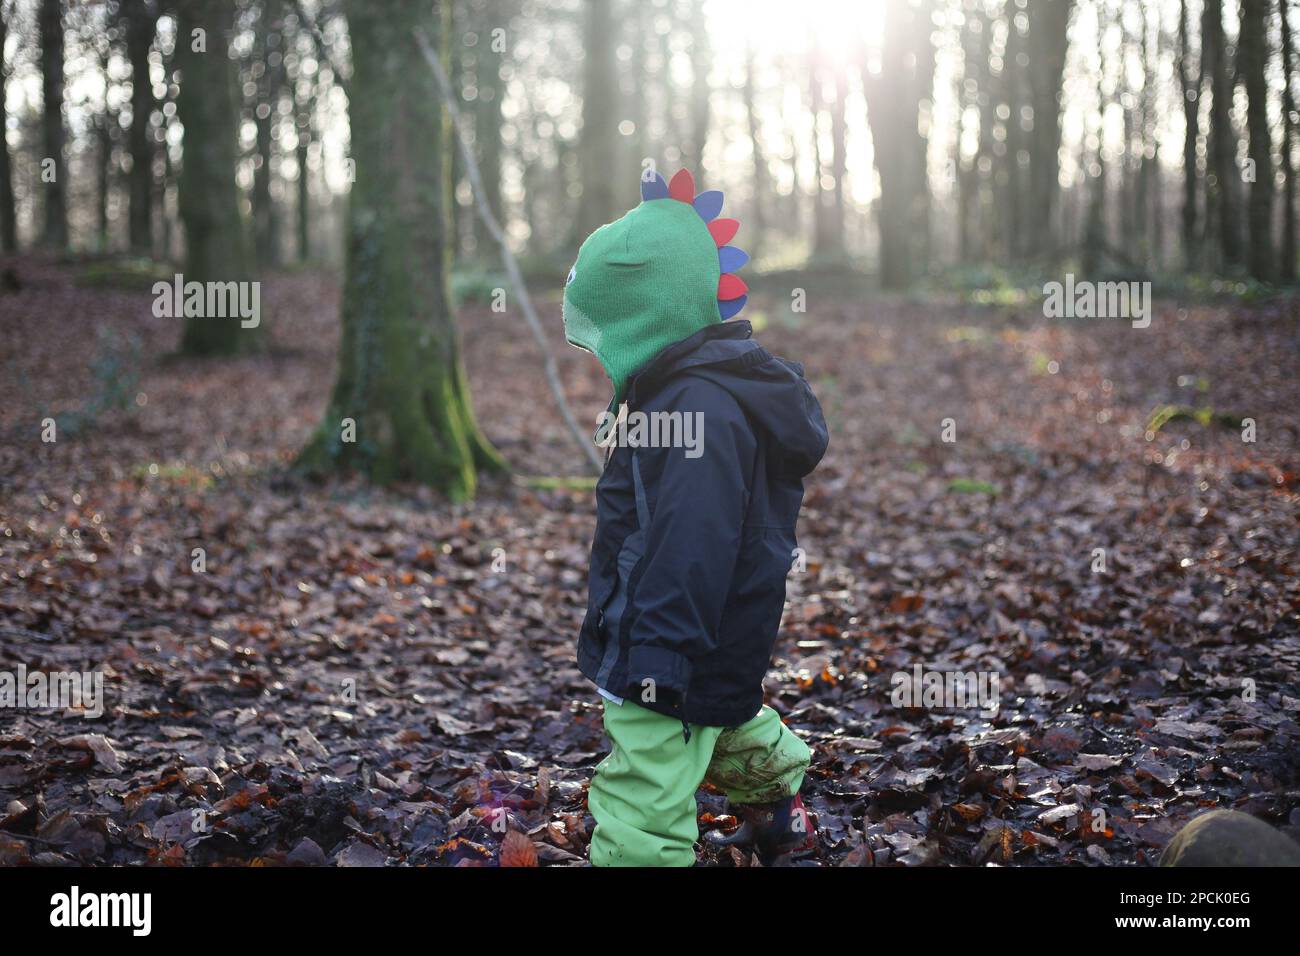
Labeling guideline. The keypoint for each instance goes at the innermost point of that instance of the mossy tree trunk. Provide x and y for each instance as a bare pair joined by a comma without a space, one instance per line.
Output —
400,410
217,247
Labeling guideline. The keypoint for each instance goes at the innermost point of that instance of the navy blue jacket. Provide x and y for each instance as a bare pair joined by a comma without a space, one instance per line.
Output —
689,561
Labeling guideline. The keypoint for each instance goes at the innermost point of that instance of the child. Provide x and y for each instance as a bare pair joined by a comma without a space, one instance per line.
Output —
693,542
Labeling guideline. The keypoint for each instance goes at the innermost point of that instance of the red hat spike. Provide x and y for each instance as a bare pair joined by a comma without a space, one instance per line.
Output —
731,286
723,230
682,186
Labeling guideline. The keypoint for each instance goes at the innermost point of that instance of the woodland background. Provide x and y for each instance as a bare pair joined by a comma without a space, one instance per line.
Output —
373,661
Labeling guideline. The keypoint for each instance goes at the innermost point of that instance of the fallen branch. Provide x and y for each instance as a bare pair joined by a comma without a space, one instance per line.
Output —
507,257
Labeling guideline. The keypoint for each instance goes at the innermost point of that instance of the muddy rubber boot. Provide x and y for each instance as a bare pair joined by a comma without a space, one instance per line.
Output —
774,830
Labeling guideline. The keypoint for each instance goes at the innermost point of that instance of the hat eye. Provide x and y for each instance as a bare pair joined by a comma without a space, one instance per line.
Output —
573,273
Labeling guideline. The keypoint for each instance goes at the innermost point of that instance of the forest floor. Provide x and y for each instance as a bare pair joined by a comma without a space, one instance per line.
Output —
364,676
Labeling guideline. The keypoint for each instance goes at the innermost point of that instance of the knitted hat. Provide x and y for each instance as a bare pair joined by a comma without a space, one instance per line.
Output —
654,277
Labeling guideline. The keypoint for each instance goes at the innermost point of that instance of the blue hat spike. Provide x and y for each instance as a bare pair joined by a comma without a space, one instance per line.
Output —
656,188
731,258
708,204
730,307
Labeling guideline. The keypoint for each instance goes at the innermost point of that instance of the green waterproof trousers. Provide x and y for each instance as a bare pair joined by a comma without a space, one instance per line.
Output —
643,793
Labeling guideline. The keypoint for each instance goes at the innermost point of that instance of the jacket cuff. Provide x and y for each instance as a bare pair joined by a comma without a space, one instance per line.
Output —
669,670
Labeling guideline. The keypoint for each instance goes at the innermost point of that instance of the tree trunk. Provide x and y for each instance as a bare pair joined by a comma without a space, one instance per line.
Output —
1094,230
833,250
1012,178
400,385
1048,43
266,113
971,85
487,120
216,235
758,230
1129,161
56,214
1155,206
597,145
635,81
670,129
1190,81
302,90
1221,194
302,109
166,221
1287,264
988,160
894,99
700,90
105,120
820,218
140,26
790,110
1252,59
8,214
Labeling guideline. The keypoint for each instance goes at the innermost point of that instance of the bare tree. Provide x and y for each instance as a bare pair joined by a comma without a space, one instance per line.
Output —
759,160
8,213
1048,42
269,57
1191,76
1252,61
598,145
894,100
700,90
54,179
1287,260
216,235
490,14
401,383
1221,182
141,21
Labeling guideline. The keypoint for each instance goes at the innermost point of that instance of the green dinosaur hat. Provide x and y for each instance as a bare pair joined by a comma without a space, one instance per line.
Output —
654,277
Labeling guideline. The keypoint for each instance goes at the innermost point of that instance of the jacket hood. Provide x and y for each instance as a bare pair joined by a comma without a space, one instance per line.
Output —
772,391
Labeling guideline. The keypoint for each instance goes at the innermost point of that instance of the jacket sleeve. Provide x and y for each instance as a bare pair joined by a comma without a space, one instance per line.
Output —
692,541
